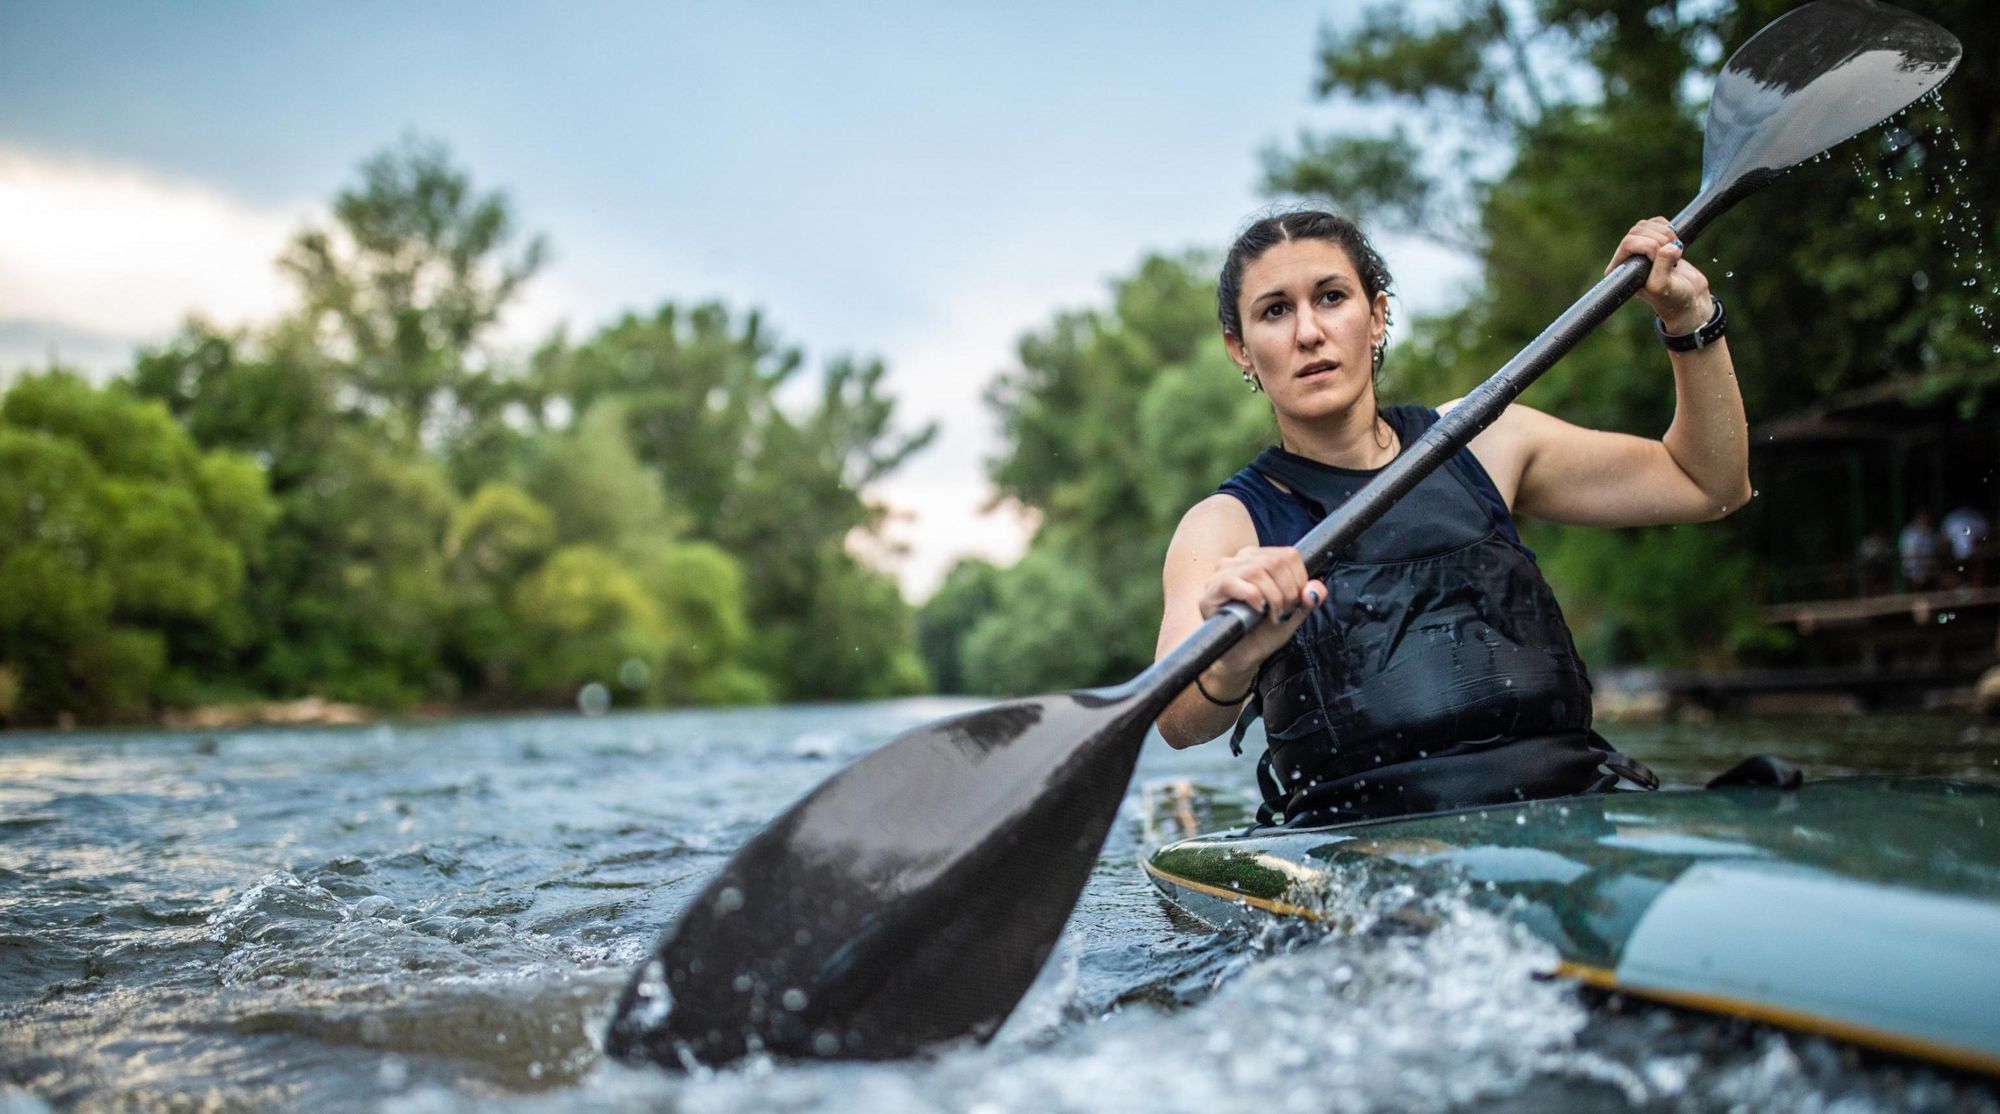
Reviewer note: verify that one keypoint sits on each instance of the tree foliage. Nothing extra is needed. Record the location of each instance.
(698, 395)
(123, 549)
(1117, 421)
(406, 285)
(362, 500)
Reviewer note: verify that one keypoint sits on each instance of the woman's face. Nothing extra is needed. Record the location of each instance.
(1309, 329)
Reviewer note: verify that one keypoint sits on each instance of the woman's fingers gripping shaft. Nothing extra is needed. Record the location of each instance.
(1270, 579)
(1271, 597)
(1288, 582)
(1655, 239)
(1287, 574)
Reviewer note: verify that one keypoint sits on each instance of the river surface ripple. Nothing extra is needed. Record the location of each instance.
(434, 917)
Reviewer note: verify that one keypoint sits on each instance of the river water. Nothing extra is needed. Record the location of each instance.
(435, 917)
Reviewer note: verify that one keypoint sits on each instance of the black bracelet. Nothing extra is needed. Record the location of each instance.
(1205, 695)
(1708, 334)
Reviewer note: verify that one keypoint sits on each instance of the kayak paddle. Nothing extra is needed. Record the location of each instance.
(912, 897)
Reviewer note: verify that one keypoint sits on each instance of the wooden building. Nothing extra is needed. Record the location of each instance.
(1837, 484)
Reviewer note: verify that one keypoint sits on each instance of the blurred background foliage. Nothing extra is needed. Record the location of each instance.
(353, 501)
(357, 501)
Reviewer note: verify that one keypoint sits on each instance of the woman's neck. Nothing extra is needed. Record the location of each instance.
(1360, 439)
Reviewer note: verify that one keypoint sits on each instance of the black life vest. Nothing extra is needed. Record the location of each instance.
(1439, 673)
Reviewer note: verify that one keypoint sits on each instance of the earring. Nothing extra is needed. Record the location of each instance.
(1377, 354)
(1250, 381)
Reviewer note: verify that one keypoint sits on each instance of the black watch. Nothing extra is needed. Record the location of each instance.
(1708, 334)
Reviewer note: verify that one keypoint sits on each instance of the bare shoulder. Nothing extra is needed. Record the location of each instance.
(1211, 529)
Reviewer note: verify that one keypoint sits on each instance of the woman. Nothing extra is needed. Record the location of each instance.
(1428, 666)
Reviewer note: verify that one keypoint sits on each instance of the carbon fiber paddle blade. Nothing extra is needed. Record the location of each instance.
(1816, 77)
(909, 900)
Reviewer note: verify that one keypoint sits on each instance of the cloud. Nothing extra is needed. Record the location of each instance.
(114, 252)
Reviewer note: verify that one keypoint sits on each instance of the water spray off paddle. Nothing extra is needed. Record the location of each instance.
(912, 898)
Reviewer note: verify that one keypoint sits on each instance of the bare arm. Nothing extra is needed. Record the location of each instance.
(1698, 471)
(1215, 558)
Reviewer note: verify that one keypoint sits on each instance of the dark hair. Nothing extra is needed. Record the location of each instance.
(1301, 224)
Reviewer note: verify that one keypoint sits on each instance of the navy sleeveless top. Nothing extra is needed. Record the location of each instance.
(1438, 674)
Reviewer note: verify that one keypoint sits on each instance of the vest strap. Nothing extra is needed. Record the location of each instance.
(1252, 708)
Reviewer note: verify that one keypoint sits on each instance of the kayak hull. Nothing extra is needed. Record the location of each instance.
(1866, 909)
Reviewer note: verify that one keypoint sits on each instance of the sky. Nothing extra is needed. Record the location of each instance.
(918, 183)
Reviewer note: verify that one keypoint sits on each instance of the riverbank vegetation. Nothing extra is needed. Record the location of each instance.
(357, 502)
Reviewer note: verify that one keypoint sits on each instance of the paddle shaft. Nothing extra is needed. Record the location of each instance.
(1452, 432)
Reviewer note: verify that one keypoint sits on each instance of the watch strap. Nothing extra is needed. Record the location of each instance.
(1718, 324)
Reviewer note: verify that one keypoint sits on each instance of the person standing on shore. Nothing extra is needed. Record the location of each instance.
(1919, 548)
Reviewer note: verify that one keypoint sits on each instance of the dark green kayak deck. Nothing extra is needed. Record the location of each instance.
(1866, 909)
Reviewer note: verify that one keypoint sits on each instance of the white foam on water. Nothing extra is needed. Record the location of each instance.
(1390, 1018)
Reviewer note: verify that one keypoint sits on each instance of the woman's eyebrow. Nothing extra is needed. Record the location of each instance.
(1324, 280)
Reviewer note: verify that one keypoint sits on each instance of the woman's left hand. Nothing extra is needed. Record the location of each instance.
(1675, 289)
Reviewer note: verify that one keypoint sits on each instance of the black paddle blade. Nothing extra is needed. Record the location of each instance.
(1817, 76)
(909, 900)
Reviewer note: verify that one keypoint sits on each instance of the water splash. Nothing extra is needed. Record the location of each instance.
(1916, 167)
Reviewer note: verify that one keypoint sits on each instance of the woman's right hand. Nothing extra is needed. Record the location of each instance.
(1273, 581)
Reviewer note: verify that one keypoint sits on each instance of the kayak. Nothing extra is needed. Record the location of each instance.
(1866, 909)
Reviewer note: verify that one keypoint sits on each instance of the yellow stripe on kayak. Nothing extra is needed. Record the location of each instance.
(1268, 905)
(1965, 1059)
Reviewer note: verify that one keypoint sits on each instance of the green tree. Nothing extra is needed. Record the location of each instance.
(779, 491)
(1117, 422)
(497, 537)
(430, 499)
(271, 396)
(407, 283)
(701, 593)
(123, 548)
(356, 600)
(594, 485)
(1069, 613)
(970, 592)
(348, 402)
(669, 627)
(584, 616)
